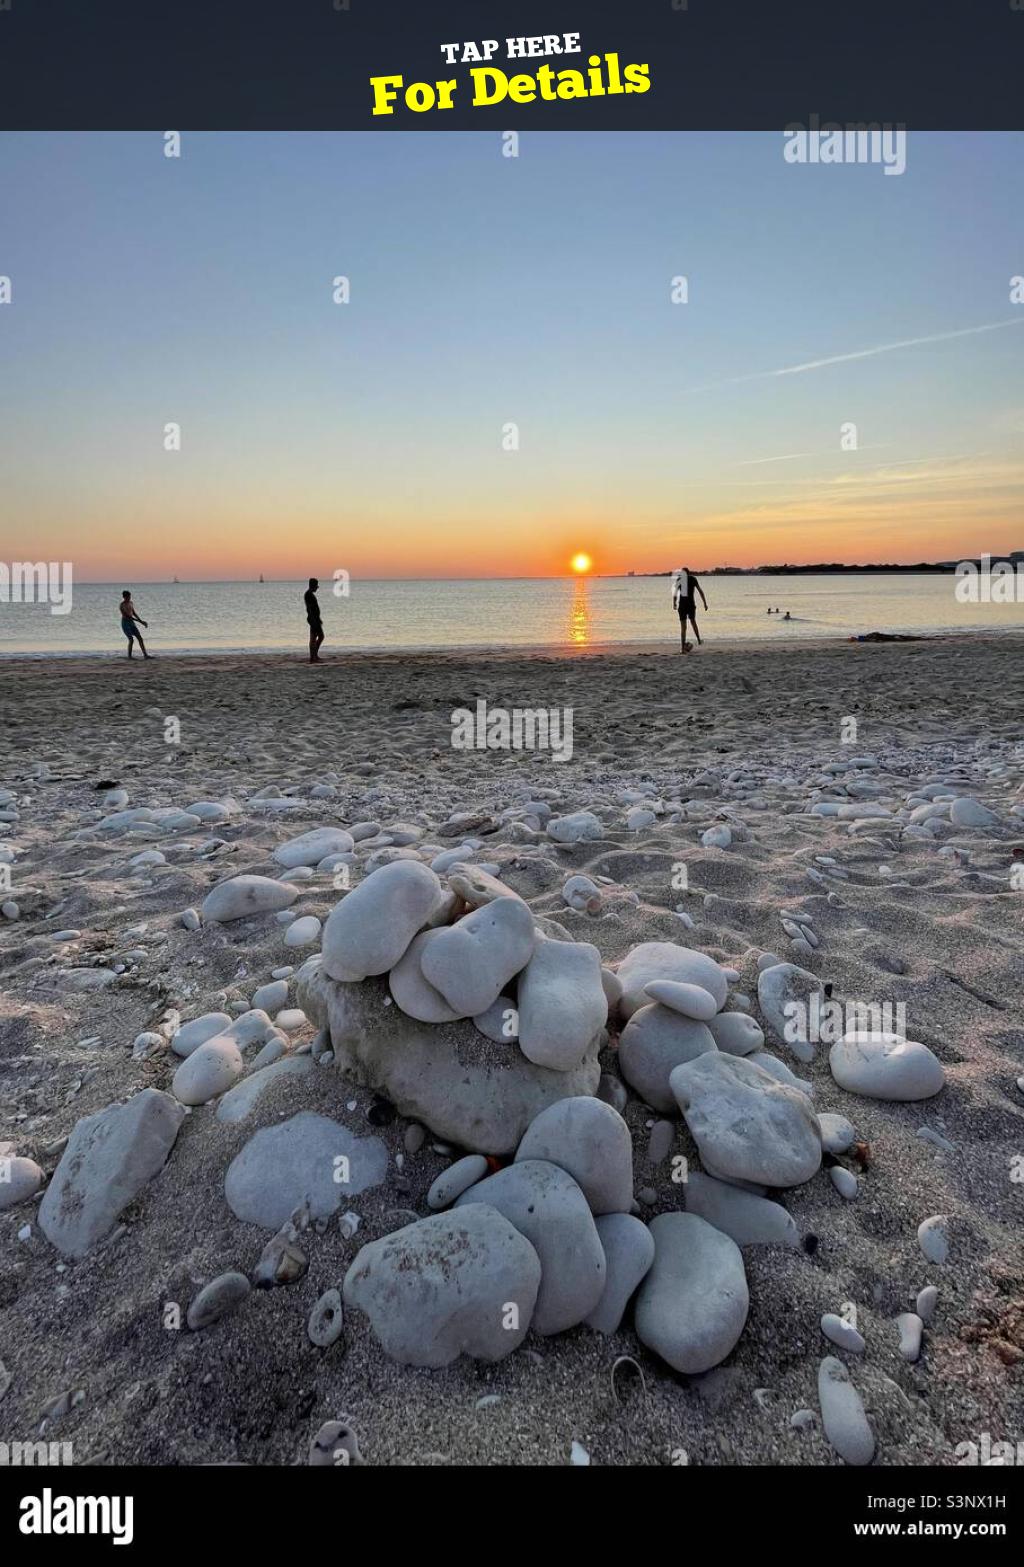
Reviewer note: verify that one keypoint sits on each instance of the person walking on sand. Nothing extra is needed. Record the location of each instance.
(129, 621)
(684, 587)
(316, 628)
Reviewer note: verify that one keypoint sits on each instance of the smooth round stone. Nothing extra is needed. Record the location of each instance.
(302, 932)
(547, 1207)
(443, 862)
(244, 896)
(271, 997)
(415, 1137)
(458, 1177)
(884, 1066)
(290, 1018)
(463, 1282)
(661, 1141)
(736, 1033)
(842, 1333)
(911, 1328)
(500, 1022)
(925, 1303)
(767, 960)
(221, 1296)
(190, 919)
(719, 837)
(781, 987)
(688, 1000)
(371, 928)
(968, 812)
(746, 1218)
(933, 1238)
(326, 1320)
(562, 1004)
(579, 827)
(208, 810)
(747, 1125)
(414, 994)
(472, 961)
(591, 1142)
(842, 1413)
(195, 1033)
(20, 1178)
(654, 1042)
(628, 1247)
(664, 960)
(252, 1028)
(844, 1181)
(147, 857)
(692, 1305)
(309, 848)
(837, 1133)
(272, 1051)
(208, 1071)
(582, 894)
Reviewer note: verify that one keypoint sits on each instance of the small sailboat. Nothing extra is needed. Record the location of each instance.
(262, 577)
(174, 579)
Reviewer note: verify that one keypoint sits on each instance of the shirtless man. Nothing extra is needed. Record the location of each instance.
(684, 587)
(316, 628)
(129, 621)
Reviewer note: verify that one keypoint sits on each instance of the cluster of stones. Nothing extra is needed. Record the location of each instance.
(547, 1243)
(447, 996)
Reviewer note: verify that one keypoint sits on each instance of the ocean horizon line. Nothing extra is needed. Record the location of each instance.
(918, 568)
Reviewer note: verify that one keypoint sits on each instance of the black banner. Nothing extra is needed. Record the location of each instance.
(696, 64)
(68, 1510)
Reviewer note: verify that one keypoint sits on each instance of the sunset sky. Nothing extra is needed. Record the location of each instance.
(489, 290)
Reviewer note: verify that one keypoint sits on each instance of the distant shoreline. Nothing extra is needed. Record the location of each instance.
(922, 569)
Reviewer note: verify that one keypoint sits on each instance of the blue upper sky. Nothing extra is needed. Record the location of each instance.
(488, 290)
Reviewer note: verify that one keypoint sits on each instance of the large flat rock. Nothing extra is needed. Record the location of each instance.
(109, 1158)
(467, 1089)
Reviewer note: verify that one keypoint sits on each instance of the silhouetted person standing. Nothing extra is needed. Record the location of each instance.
(316, 628)
(129, 621)
(684, 588)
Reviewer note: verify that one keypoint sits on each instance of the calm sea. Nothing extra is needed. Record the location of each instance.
(230, 617)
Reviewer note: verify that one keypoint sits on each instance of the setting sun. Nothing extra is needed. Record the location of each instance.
(581, 562)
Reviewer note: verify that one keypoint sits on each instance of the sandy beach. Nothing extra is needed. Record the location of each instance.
(95, 957)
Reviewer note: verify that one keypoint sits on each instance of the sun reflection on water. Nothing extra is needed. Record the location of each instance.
(579, 614)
